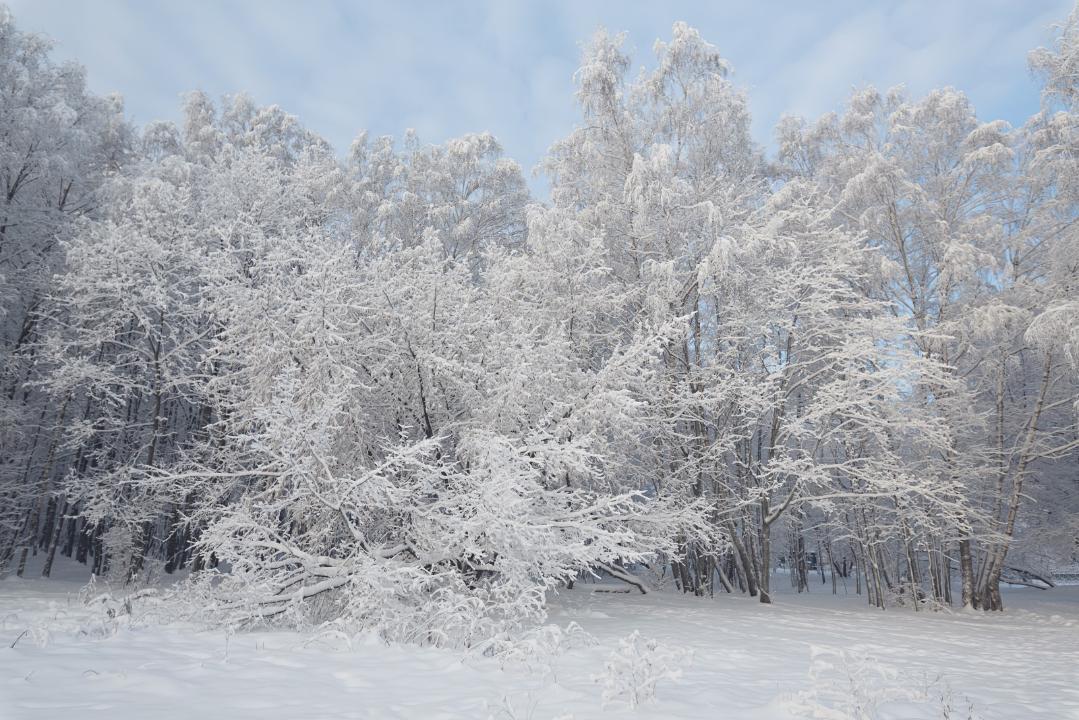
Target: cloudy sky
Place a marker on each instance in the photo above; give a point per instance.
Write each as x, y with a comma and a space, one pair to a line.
446, 68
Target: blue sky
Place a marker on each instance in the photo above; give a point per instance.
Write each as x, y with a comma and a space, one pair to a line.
447, 68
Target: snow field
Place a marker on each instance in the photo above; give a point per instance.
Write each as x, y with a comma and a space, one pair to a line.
812, 655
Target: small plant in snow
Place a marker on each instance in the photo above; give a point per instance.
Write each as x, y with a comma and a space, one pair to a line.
952, 706
848, 685
111, 610
506, 710
39, 635
632, 671
536, 650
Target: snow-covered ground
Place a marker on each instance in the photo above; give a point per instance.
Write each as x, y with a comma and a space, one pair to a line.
806, 656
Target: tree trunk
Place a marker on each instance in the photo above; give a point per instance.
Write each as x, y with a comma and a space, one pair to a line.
55, 541
966, 574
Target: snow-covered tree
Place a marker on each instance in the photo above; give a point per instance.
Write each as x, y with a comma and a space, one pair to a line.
959, 214
58, 143
395, 393
403, 447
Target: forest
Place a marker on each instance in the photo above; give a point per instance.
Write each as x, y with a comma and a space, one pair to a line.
385, 387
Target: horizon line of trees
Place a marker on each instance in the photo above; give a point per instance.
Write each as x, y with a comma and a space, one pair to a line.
397, 391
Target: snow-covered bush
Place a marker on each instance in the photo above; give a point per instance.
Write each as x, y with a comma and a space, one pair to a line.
538, 649
113, 606
632, 671
407, 449
852, 685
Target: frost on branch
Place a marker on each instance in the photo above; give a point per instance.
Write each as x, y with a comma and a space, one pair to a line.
395, 394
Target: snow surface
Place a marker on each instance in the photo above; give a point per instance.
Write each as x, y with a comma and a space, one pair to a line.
812, 655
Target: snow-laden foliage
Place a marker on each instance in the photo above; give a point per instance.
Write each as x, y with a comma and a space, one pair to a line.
974, 227
427, 451
393, 393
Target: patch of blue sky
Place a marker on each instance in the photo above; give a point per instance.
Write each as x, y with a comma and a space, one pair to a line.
447, 68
